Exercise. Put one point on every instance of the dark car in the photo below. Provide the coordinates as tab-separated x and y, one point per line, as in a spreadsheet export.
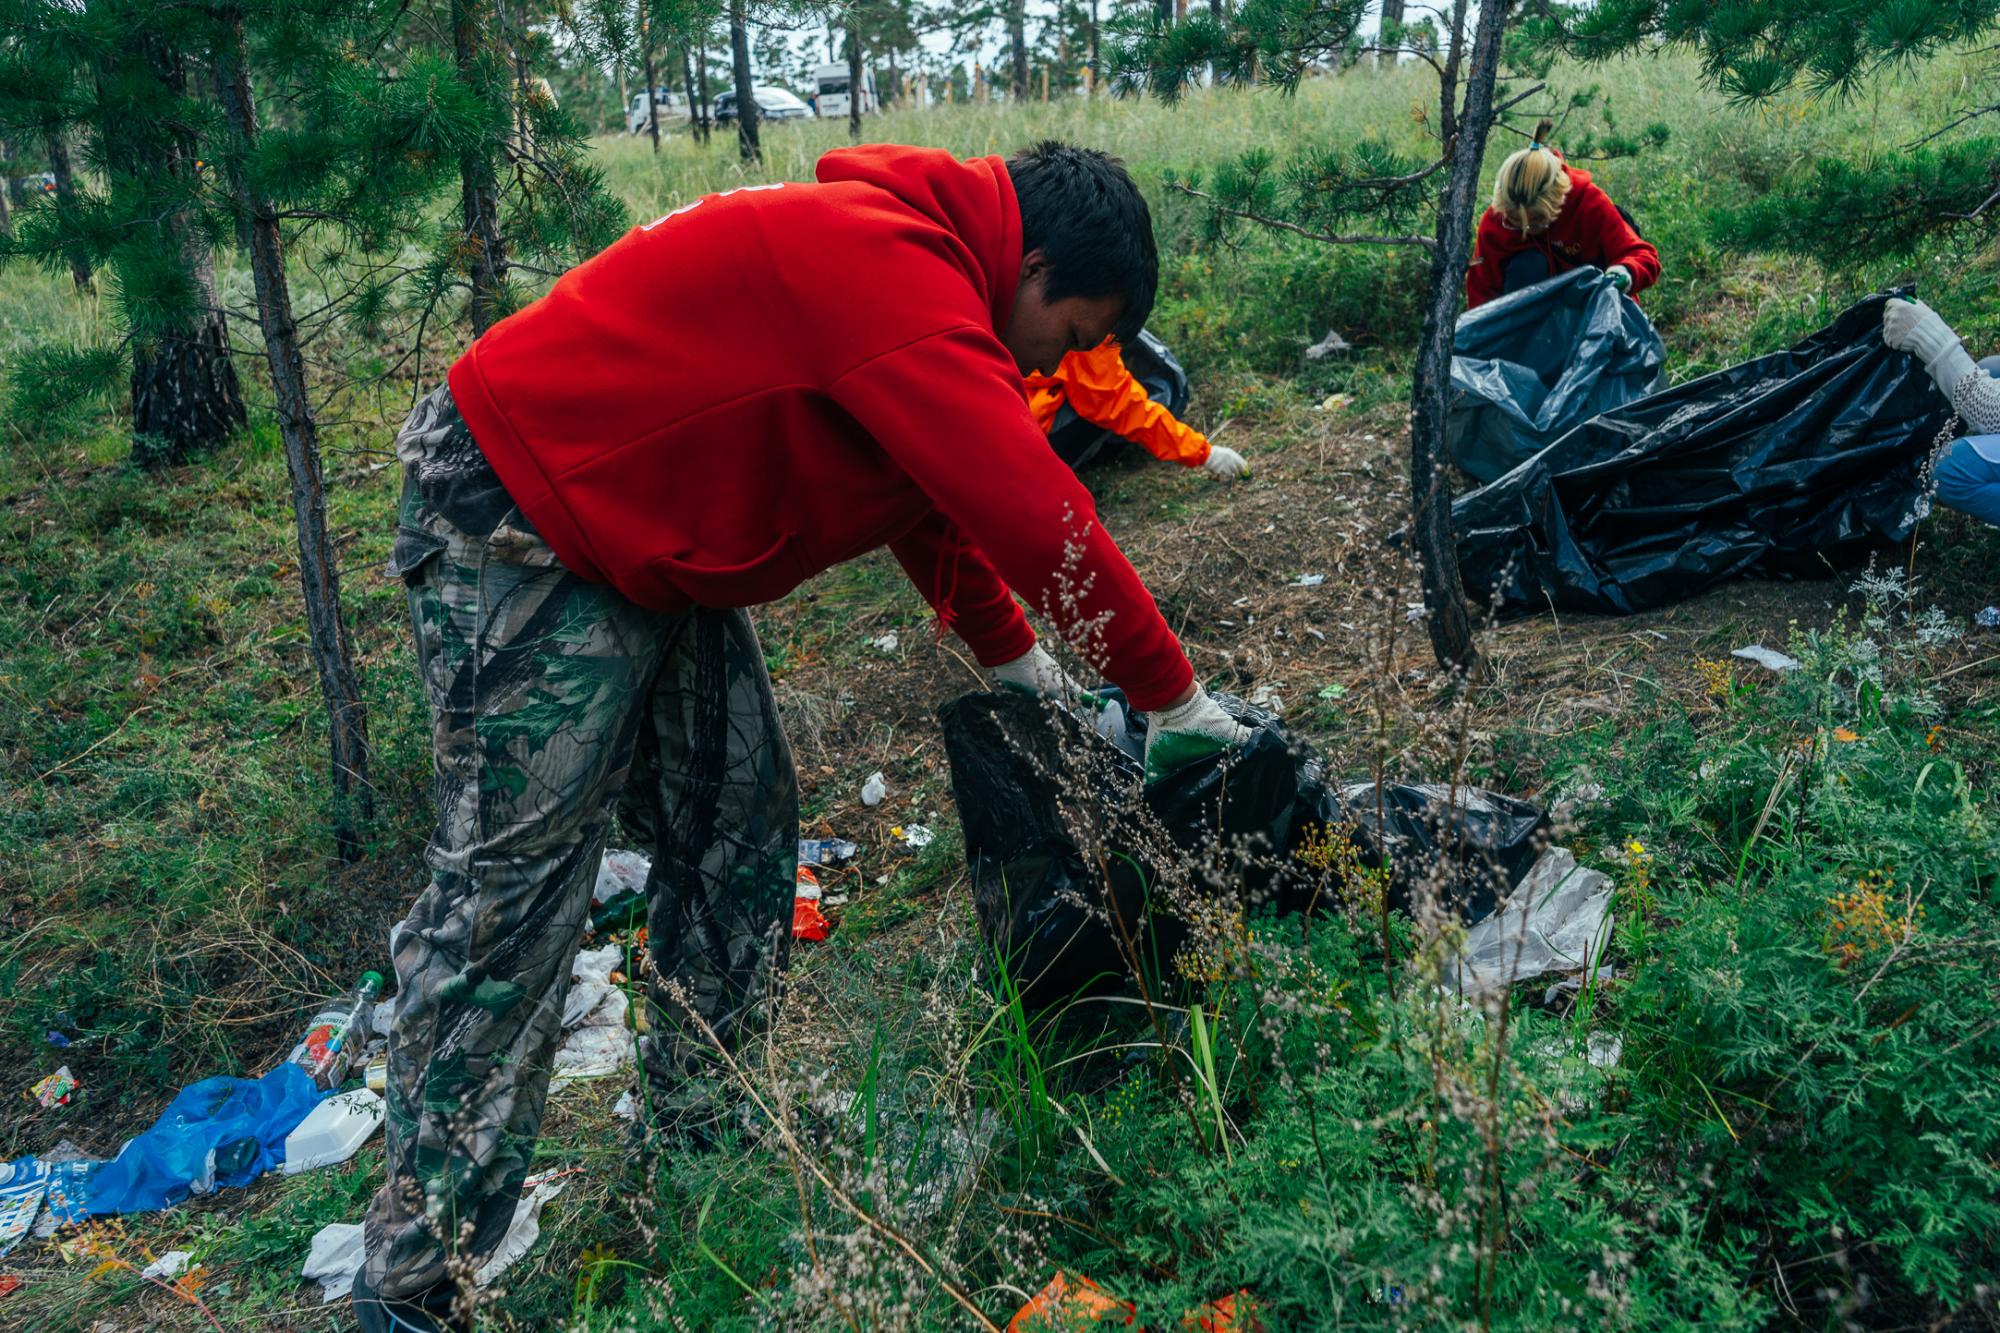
772	104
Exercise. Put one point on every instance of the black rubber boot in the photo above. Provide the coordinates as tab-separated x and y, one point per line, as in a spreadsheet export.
428	1313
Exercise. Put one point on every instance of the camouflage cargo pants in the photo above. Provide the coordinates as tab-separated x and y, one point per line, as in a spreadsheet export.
549	697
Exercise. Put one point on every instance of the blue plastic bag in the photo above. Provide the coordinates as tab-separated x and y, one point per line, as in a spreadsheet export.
218	1133
1537	362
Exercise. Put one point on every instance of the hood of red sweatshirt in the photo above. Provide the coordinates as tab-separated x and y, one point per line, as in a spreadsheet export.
972	200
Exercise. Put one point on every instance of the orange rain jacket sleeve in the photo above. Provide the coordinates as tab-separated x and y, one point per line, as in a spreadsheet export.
1104	393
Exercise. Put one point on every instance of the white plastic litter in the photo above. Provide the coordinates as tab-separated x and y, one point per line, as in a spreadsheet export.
334	1259
888	643
1766	657
875	790
621	871
1308	580
168	1266
1603	1049
1326	346
627	1107
524	1230
1558	919
334	1131
917	836
593	1053
1267	696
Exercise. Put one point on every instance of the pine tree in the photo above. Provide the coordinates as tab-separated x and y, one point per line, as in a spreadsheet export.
747	142
1364	193
117	72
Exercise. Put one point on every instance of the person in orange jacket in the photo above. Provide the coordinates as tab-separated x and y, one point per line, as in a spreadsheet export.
1100	389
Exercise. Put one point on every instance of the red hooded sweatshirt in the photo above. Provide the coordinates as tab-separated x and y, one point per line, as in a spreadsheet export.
766	382
1589	230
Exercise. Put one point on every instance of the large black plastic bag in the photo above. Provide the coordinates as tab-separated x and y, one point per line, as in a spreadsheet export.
1080	443
1786	466
1052	913
1536	363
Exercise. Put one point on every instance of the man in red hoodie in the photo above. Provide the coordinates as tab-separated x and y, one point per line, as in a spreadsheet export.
730	399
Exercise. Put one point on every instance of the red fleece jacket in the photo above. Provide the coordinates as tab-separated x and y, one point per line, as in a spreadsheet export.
1589	230
767	382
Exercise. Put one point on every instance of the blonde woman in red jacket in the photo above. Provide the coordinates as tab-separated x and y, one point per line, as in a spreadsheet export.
1548	218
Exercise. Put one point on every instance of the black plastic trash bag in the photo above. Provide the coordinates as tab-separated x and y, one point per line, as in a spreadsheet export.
1061	918
1080	443
1535	363
1783	467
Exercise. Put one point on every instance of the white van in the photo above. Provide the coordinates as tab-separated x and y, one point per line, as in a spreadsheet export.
833	91
673	107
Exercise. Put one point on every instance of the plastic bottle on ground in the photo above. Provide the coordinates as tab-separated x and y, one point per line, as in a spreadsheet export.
338	1034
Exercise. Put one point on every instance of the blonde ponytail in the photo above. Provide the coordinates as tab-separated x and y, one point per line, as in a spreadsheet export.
1531	186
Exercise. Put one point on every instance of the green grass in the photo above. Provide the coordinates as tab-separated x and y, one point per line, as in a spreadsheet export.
174	906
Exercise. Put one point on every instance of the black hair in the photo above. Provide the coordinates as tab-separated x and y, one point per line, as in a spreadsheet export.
1082	211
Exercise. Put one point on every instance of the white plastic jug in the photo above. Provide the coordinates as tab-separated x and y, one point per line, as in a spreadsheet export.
334	1131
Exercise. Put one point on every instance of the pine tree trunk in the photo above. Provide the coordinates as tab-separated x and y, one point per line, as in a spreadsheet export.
687	81
895	88
747	145
624	99
6	205
854	82
652	79
1096	74
319	569
1017	39
707	114
1430	493
185	397
479	197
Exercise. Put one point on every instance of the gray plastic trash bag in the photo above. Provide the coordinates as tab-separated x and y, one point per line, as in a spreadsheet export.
1536	362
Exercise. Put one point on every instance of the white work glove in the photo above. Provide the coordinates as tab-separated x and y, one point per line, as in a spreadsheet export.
1226	463
1620	276
1195	730
1912	326
1035	672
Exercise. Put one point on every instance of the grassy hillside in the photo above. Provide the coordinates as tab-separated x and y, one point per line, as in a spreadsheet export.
1800	1127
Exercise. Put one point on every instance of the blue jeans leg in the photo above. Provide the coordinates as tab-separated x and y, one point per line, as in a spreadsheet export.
1968	477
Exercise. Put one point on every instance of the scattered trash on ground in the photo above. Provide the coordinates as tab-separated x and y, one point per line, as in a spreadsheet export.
619	895
58	1040
9	1285
875	790
1327	346
1047	907
168	1266
888	643
1769	658
1267	696
334	1131
215	1134
627	1107
596	1040
1558	919
334	1258
1070	1301
55	1090
1308	580
1335	402
826	852
1603	1049
337	1037
1987	618
913	835
1333	691
1540	361
808	922
375	1077
1776	468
